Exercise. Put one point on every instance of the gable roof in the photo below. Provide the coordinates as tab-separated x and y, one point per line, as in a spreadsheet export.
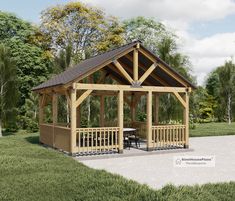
88	65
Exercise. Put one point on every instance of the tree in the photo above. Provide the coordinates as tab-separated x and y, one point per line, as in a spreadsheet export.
8	93
227	80
86	28
31	53
147	30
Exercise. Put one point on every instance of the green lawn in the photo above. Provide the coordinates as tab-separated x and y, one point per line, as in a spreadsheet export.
29	171
213	129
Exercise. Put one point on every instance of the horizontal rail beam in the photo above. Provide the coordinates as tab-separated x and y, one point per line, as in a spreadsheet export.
110	87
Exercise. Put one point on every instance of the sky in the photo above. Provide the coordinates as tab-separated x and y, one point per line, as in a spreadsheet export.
206	28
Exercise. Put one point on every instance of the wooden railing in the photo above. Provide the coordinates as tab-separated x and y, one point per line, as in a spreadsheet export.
168	136
55	136
141	128
95	140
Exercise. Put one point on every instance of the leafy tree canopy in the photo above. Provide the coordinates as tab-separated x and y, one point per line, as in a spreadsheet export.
86	28
32	56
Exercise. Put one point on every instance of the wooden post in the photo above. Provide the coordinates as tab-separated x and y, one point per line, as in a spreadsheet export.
186	119
149	121
102	111
73	120
156	109
120	120
135	65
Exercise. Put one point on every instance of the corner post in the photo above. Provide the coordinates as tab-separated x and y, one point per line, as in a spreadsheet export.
186	119
120	121
73	119
149	121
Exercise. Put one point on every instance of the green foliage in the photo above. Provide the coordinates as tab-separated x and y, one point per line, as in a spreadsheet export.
203	106
33	62
147	30
220	84
212	129
8	87
86	28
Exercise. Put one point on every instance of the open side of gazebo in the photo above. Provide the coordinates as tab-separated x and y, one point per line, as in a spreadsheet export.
137	72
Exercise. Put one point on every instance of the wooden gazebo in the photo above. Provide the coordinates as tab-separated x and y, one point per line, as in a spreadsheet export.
137	72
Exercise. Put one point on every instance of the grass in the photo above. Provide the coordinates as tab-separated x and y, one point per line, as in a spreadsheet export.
29	171
213	129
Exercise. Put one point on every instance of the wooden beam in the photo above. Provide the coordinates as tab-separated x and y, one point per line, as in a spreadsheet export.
164	68
110	87
99	67
83	97
173	75
147	73
131	71
164	83
186	119
123	71
135	65
73	120
149	121
120	120
180	98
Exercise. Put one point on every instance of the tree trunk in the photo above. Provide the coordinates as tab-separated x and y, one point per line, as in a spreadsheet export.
229	108
0	128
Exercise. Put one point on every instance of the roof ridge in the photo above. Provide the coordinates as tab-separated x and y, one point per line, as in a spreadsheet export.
115	48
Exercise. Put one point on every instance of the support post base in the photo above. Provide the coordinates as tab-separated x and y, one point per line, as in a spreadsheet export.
120	151
150	148
186	146
72	154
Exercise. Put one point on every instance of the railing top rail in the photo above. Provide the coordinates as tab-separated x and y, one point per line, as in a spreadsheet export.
169	125
55	126
98	128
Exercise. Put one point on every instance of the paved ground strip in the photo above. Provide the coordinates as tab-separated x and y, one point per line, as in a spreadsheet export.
157	170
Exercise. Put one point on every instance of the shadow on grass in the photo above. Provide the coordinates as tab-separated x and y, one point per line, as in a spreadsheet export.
33	139
8	133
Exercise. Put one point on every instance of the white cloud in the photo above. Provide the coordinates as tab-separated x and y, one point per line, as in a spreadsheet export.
171	10
210	52
205	53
